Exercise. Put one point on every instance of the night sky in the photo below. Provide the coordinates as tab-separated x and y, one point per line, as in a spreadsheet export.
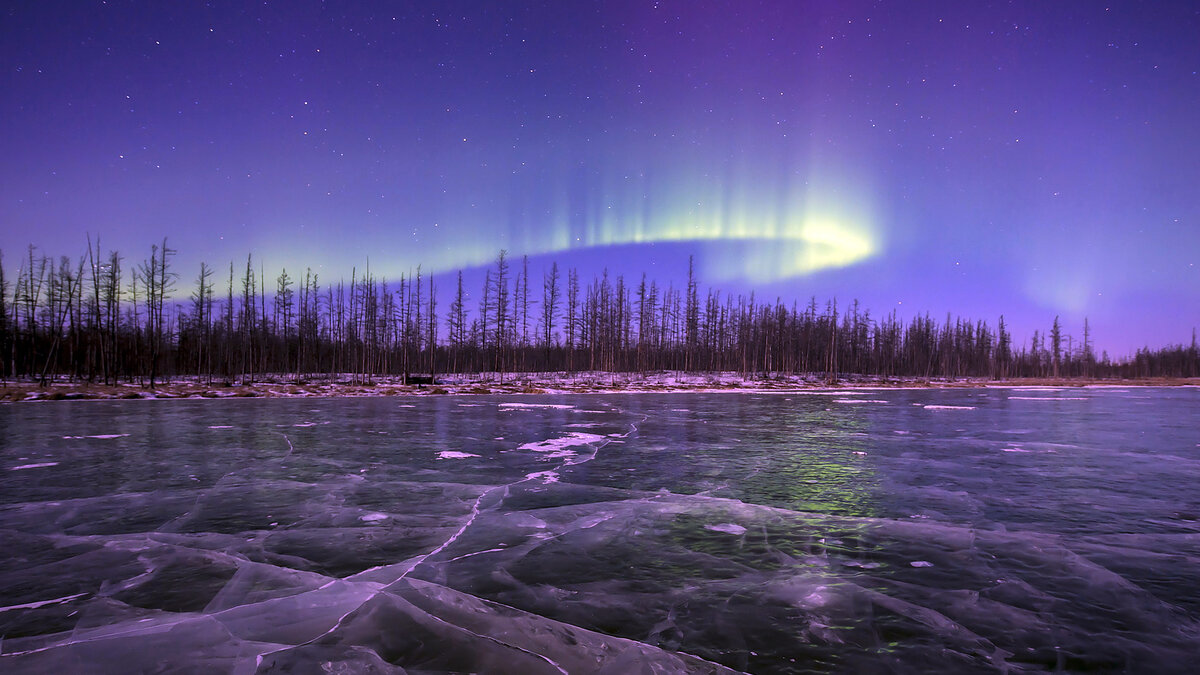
1030	159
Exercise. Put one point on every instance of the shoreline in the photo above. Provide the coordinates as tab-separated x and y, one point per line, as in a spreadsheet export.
670	382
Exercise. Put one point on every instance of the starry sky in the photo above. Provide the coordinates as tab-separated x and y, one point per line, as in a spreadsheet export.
1030	159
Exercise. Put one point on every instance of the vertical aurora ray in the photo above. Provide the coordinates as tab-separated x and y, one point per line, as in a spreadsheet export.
777	236
752	213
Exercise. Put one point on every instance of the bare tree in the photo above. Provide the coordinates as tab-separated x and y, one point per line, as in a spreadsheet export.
456	324
157	283
247	321
1056	344
501	296
431	320
572	315
202	299
5	339
549	307
693	316
57	322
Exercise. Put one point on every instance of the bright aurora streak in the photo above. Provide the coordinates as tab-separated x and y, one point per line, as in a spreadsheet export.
789	240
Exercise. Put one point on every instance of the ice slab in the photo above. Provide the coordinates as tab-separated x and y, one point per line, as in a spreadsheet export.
1048	398
99	436
536	406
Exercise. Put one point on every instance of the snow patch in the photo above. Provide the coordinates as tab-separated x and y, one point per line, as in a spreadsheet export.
949	407
475	553
100	436
43	603
557	447
1047	398
556	406
856	400
220	426
454	454
39	465
727	528
373	517
921	563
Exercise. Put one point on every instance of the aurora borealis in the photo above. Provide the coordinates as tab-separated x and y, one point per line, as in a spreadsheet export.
1031	159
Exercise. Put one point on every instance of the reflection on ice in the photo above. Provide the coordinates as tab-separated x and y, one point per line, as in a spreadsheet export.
741	605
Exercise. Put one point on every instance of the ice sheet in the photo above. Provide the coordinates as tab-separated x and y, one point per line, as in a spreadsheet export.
750	534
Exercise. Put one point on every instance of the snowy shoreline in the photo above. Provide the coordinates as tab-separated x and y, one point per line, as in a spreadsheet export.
668	382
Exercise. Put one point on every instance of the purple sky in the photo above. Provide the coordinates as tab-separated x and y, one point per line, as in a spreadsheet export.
1026	158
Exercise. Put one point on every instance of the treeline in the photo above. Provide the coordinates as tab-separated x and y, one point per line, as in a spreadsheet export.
100	319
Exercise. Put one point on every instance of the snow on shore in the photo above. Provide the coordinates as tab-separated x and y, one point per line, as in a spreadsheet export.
348	385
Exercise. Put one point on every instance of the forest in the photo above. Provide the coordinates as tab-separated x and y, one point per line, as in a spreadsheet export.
102	319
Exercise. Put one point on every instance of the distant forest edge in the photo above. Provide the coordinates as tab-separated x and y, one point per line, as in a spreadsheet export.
98	320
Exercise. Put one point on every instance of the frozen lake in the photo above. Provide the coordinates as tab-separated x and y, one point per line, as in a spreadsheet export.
862	531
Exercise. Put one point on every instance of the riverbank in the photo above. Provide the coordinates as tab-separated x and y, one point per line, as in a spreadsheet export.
525	383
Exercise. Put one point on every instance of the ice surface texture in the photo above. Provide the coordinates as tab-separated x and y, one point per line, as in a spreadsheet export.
696	533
